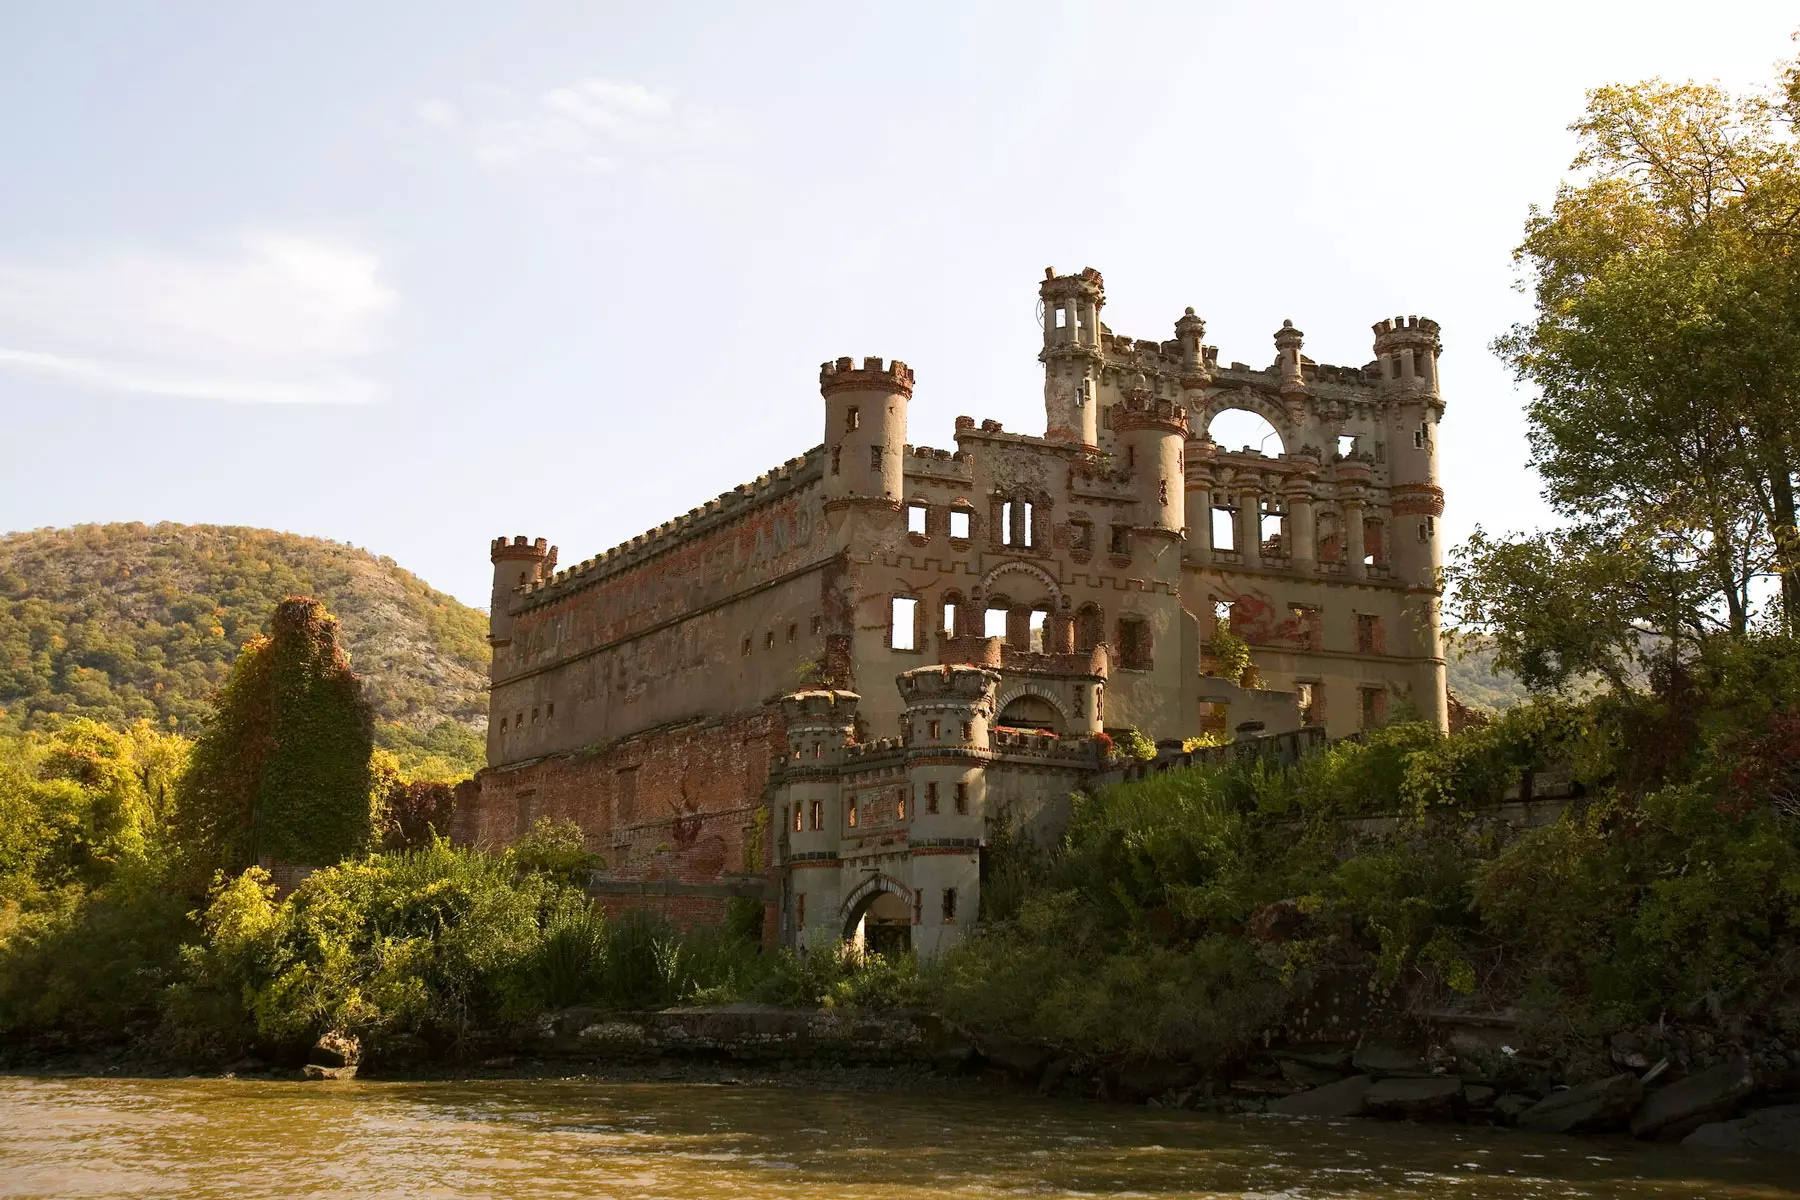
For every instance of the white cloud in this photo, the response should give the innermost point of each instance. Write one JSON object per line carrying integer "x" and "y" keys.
{"x": 593, "y": 125}
{"x": 274, "y": 318}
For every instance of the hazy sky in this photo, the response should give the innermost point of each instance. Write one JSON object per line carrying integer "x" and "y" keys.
{"x": 415, "y": 275}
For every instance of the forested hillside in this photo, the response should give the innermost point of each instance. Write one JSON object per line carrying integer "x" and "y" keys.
{"x": 142, "y": 622}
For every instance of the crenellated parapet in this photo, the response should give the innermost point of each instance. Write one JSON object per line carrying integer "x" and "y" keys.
{"x": 520, "y": 548}
{"x": 1144, "y": 410}
{"x": 844, "y": 375}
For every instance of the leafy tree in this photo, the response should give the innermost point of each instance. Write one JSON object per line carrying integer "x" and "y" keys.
{"x": 283, "y": 771}
{"x": 1666, "y": 354}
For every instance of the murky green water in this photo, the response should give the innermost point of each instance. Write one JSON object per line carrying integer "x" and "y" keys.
{"x": 541, "y": 1140}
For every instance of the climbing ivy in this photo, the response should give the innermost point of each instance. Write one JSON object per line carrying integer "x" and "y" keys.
{"x": 282, "y": 771}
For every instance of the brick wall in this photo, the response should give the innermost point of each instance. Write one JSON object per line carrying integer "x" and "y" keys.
{"x": 672, "y": 805}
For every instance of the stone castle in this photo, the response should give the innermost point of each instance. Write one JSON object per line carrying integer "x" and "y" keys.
{"x": 824, "y": 690}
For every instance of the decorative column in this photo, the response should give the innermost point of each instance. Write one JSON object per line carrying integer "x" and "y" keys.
{"x": 1353, "y": 536}
{"x": 1198, "y": 510}
{"x": 1303, "y": 531}
{"x": 1250, "y": 525}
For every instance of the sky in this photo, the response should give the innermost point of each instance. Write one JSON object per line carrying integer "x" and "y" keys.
{"x": 412, "y": 276}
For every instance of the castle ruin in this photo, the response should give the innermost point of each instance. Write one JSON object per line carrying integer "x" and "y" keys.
{"x": 823, "y": 690}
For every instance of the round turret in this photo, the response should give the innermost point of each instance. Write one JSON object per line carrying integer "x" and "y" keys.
{"x": 1150, "y": 432}
{"x": 865, "y": 431}
{"x": 517, "y": 563}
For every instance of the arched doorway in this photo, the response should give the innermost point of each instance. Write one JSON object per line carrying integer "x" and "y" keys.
{"x": 1031, "y": 712}
{"x": 880, "y": 923}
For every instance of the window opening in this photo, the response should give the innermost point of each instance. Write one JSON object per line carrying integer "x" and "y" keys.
{"x": 901, "y": 628}
{"x": 949, "y": 625}
{"x": 932, "y": 728}
{"x": 1224, "y": 529}
{"x": 966, "y": 733}
{"x": 1121, "y": 539}
{"x": 1134, "y": 643}
{"x": 836, "y": 455}
{"x": 949, "y": 906}
{"x": 1369, "y": 634}
{"x": 797, "y": 818}
{"x": 818, "y": 814}
{"x": 874, "y": 458}
{"x": 931, "y": 801}
{"x": 746, "y": 647}
{"x": 852, "y": 418}
{"x": 769, "y": 640}
{"x": 994, "y": 624}
{"x": 549, "y": 710}
{"x": 817, "y": 622}
{"x": 1346, "y": 445}
{"x": 850, "y": 812}
{"x": 959, "y": 523}
{"x": 915, "y": 518}
{"x": 502, "y": 724}
{"x": 800, "y": 909}
{"x": 1025, "y": 524}
{"x": 1081, "y": 535}
{"x": 793, "y": 630}
{"x": 1270, "y": 528}
{"x": 1038, "y": 617}
{"x": 962, "y": 798}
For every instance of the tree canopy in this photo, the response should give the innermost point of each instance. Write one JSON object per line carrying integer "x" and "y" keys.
{"x": 1665, "y": 352}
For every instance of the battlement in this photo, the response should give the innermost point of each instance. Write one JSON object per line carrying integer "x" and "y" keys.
{"x": 827, "y": 709}
{"x": 1142, "y": 410}
{"x": 845, "y": 376}
{"x": 520, "y": 548}
{"x": 879, "y": 748}
{"x": 950, "y": 684}
{"x": 740, "y": 501}
{"x": 1406, "y": 331}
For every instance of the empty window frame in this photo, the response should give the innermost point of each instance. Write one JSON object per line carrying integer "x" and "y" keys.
{"x": 1224, "y": 529}
{"x": 818, "y": 814}
{"x": 959, "y": 523}
{"x": 915, "y": 519}
{"x": 1134, "y": 643}
{"x": 1038, "y": 619}
{"x": 949, "y": 906}
{"x": 1120, "y": 540}
{"x": 1370, "y": 637}
{"x": 931, "y": 798}
{"x": 962, "y": 798}
{"x": 903, "y": 620}
{"x": 852, "y": 419}
{"x": 1015, "y": 523}
{"x": 1090, "y": 627}
{"x": 1081, "y": 536}
{"x": 874, "y": 458}
{"x": 1346, "y": 445}
{"x": 994, "y": 621}
{"x": 1374, "y": 706}
{"x": 797, "y": 818}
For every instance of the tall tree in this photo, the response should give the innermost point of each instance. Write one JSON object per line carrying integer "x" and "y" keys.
{"x": 281, "y": 773}
{"x": 1665, "y": 351}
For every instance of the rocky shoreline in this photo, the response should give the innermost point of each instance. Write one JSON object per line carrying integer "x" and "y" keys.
{"x": 1662, "y": 1084}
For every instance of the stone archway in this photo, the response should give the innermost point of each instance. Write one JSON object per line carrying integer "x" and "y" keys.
{"x": 1247, "y": 400}
{"x": 1032, "y": 706}
{"x": 878, "y": 915}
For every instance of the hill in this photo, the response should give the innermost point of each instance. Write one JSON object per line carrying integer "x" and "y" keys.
{"x": 1474, "y": 681}
{"x": 128, "y": 622}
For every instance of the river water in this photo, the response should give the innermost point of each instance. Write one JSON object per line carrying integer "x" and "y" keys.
{"x": 548, "y": 1139}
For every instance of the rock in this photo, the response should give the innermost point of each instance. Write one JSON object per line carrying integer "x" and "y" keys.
{"x": 1686, "y": 1104}
{"x": 1141, "y": 1080}
{"x": 1325, "y": 1055}
{"x": 336, "y": 1049}
{"x": 1598, "y": 1105}
{"x": 1512, "y": 1105}
{"x": 314, "y": 1071}
{"x": 1771, "y": 1129}
{"x": 1627, "y": 1050}
{"x": 1479, "y": 1095}
{"x": 1415, "y": 1099}
{"x": 1345, "y": 1098}
{"x": 1019, "y": 1059}
{"x": 1382, "y": 1059}
{"x": 1306, "y": 1075}
{"x": 1655, "y": 1073}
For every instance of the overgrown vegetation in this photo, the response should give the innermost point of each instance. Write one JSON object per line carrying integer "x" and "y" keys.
{"x": 1182, "y": 914}
{"x": 130, "y": 622}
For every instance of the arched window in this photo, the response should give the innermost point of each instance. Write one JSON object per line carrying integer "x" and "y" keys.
{"x": 1238, "y": 430}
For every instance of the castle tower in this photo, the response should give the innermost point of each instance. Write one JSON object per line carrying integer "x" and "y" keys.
{"x": 948, "y": 713}
{"x": 865, "y": 431}
{"x": 1407, "y": 351}
{"x": 517, "y": 564}
{"x": 1151, "y": 433}
{"x": 1072, "y": 355}
{"x": 810, "y": 805}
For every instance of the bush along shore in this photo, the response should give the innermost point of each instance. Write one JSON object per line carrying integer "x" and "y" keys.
{"x": 1375, "y": 930}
